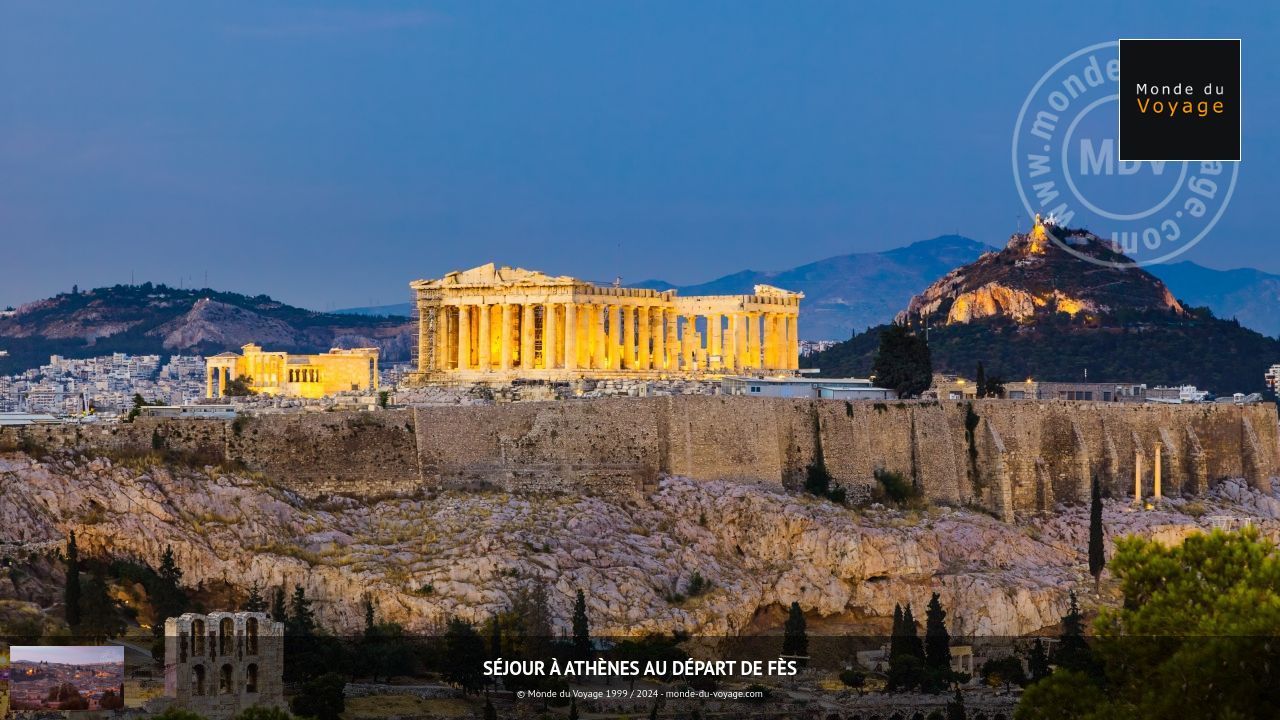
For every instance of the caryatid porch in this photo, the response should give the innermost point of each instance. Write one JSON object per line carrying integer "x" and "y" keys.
{"x": 501, "y": 324}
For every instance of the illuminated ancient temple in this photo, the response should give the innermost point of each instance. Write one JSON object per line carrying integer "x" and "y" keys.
{"x": 273, "y": 372}
{"x": 501, "y": 324}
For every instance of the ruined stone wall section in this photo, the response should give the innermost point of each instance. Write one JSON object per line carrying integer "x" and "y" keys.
{"x": 1030, "y": 455}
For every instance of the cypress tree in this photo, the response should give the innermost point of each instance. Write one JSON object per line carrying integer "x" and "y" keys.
{"x": 71, "y": 595}
{"x": 490, "y": 713}
{"x": 937, "y": 645}
{"x": 911, "y": 634}
{"x": 255, "y": 602}
{"x": 581, "y": 628}
{"x": 495, "y": 638}
{"x": 278, "y": 612}
{"x": 955, "y": 708}
{"x": 302, "y": 620}
{"x": 1038, "y": 662}
{"x": 368, "y": 616}
{"x": 981, "y": 381}
{"x": 895, "y": 639}
{"x": 1097, "y": 554}
{"x": 795, "y": 641}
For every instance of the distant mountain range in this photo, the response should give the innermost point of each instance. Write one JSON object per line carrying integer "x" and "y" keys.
{"x": 849, "y": 293}
{"x": 155, "y": 319}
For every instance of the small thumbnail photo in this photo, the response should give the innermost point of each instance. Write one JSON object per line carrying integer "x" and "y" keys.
{"x": 66, "y": 678}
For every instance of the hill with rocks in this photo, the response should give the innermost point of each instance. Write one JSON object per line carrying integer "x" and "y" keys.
{"x": 1036, "y": 309}
{"x": 156, "y": 319}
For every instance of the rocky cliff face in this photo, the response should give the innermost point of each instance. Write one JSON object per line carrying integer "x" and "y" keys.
{"x": 1035, "y": 276}
{"x": 464, "y": 554}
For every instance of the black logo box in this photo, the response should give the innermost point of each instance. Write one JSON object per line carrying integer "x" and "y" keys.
{"x": 1184, "y": 64}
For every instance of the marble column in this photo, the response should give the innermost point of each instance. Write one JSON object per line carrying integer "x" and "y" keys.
{"x": 792, "y": 341}
{"x": 628, "y": 337}
{"x": 729, "y": 347}
{"x": 528, "y": 323}
{"x": 642, "y": 343}
{"x": 570, "y": 336}
{"x": 689, "y": 343}
{"x": 549, "y": 340}
{"x": 715, "y": 344}
{"x": 464, "y": 337}
{"x": 599, "y": 341}
{"x": 658, "y": 329}
{"x": 753, "y": 340}
{"x": 444, "y": 338}
{"x": 424, "y": 320}
{"x": 208, "y": 381}
{"x": 505, "y": 338}
{"x": 485, "y": 339}
{"x": 769, "y": 340}
{"x": 673, "y": 340}
{"x": 614, "y": 359}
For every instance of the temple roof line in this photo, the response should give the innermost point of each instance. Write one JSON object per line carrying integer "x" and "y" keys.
{"x": 490, "y": 275}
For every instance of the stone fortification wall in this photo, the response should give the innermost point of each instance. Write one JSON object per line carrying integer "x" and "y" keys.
{"x": 1008, "y": 456}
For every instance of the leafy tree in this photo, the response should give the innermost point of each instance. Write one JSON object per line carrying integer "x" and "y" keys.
{"x": 173, "y": 712}
{"x": 903, "y": 362}
{"x": 321, "y": 698}
{"x": 258, "y": 712}
{"x": 582, "y": 647}
{"x": 1194, "y": 637}
{"x": 239, "y": 386}
{"x": 255, "y": 602}
{"x": 466, "y": 654}
{"x": 795, "y": 640}
{"x": 71, "y": 592}
{"x": 1004, "y": 671}
{"x": 937, "y": 646}
{"x": 1097, "y": 552}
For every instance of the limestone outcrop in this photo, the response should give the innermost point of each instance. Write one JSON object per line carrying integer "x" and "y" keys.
{"x": 428, "y": 556}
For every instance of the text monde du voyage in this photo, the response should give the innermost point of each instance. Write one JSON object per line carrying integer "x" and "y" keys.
{"x": 1179, "y": 99}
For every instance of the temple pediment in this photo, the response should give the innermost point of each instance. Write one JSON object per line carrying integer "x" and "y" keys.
{"x": 490, "y": 275}
{"x": 771, "y": 291}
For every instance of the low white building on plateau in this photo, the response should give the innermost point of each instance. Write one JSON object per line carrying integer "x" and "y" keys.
{"x": 207, "y": 412}
{"x": 1273, "y": 378}
{"x": 790, "y": 387}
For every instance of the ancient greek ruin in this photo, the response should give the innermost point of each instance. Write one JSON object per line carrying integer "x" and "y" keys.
{"x": 219, "y": 664}
{"x": 499, "y": 324}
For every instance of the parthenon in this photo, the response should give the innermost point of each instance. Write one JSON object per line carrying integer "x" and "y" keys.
{"x": 497, "y": 324}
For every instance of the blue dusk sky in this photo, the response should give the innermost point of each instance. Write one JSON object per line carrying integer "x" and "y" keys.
{"x": 328, "y": 153}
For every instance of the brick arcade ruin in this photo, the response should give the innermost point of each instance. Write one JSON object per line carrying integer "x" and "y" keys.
{"x": 498, "y": 324}
{"x": 219, "y": 664}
